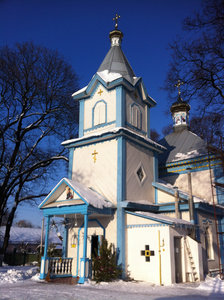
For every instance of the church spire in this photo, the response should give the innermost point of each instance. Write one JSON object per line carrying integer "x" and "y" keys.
{"x": 180, "y": 111}
{"x": 115, "y": 61}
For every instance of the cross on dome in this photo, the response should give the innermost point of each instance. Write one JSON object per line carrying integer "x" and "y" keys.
{"x": 178, "y": 85}
{"x": 116, "y": 20}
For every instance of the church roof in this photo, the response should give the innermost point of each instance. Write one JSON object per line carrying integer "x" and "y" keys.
{"x": 116, "y": 63}
{"x": 182, "y": 145}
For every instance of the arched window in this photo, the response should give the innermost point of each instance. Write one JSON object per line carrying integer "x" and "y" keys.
{"x": 99, "y": 113}
{"x": 136, "y": 116}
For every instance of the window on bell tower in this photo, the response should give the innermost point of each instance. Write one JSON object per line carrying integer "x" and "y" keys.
{"x": 136, "y": 118}
{"x": 99, "y": 113}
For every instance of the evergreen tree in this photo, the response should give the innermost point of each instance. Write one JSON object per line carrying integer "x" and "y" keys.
{"x": 105, "y": 264}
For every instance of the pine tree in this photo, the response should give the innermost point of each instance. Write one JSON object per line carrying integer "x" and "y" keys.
{"x": 105, "y": 264}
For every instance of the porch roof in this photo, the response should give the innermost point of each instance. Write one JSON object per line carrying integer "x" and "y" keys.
{"x": 82, "y": 195}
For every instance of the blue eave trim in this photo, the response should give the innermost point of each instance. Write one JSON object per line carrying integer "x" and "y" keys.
{"x": 196, "y": 164}
{"x": 62, "y": 210}
{"x": 111, "y": 135}
{"x": 81, "y": 118}
{"x": 169, "y": 190}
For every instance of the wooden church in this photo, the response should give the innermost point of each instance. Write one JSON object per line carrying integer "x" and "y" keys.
{"x": 155, "y": 202}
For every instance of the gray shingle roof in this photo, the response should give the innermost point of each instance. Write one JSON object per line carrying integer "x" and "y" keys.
{"x": 182, "y": 145}
{"x": 116, "y": 62}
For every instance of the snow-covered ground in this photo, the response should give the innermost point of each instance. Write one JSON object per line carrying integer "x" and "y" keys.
{"x": 23, "y": 283}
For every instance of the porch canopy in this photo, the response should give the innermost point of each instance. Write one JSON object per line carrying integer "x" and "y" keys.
{"x": 68, "y": 198}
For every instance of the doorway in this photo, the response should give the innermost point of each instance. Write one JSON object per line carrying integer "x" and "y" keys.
{"x": 94, "y": 246}
{"x": 178, "y": 259}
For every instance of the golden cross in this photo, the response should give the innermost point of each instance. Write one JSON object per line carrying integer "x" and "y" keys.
{"x": 100, "y": 92}
{"x": 179, "y": 83}
{"x": 116, "y": 20}
{"x": 94, "y": 155}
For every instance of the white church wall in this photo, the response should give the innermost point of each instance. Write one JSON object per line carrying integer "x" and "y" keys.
{"x": 139, "y": 157}
{"x": 101, "y": 175}
{"x": 108, "y": 98}
{"x": 142, "y": 232}
{"x": 201, "y": 183}
{"x": 164, "y": 197}
{"x": 132, "y": 98}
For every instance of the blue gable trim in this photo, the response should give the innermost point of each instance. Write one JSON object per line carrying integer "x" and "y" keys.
{"x": 81, "y": 118}
{"x": 196, "y": 164}
{"x": 56, "y": 187}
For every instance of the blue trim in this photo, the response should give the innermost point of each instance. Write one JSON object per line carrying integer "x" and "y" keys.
{"x": 137, "y": 129}
{"x": 121, "y": 196}
{"x": 120, "y": 106}
{"x": 104, "y": 136}
{"x": 69, "y": 209}
{"x": 84, "y": 258}
{"x": 93, "y": 112}
{"x": 169, "y": 190}
{"x": 78, "y": 242}
{"x": 148, "y": 121}
{"x": 55, "y": 189}
{"x": 132, "y": 115}
{"x": 155, "y": 175}
{"x": 180, "y": 167}
{"x": 196, "y": 222}
{"x": 99, "y": 126}
{"x": 81, "y": 117}
{"x": 65, "y": 240}
{"x": 219, "y": 178}
{"x": 43, "y": 261}
{"x": 70, "y": 163}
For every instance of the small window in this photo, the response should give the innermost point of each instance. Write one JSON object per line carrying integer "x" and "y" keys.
{"x": 99, "y": 113}
{"x": 136, "y": 119}
{"x": 140, "y": 174}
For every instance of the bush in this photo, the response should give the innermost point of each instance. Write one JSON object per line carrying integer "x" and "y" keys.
{"x": 105, "y": 266}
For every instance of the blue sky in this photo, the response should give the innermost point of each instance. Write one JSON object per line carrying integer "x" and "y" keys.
{"x": 79, "y": 30}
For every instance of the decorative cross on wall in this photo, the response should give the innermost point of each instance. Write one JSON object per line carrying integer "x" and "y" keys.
{"x": 94, "y": 155}
{"x": 147, "y": 253}
{"x": 100, "y": 92}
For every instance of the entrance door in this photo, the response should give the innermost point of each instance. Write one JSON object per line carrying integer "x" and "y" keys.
{"x": 178, "y": 260}
{"x": 94, "y": 246}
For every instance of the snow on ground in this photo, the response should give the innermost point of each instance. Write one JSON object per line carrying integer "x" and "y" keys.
{"x": 22, "y": 283}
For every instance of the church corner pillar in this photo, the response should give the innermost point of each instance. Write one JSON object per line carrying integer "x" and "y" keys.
{"x": 84, "y": 262}
{"x": 65, "y": 240}
{"x": 81, "y": 118}
{"x": 44, "y": 258}
{"x": 120, "y": 106}
{"x": 121, "y": 196}
{"x": 70, "y": 163}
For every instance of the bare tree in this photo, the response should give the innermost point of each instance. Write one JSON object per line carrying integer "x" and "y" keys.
{"x": 36, "y": 113}
{"x": 198, "y": 59}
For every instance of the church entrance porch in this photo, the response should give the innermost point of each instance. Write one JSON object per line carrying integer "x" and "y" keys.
{"x": 81, "y": 210}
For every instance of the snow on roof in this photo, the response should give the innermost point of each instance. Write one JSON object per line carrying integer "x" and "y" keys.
{"x": 189, "y": 154}
{"x": 109, "y": 76}
{"x": 80, "y": 91}
{"x": 113, "y": 130}
{"x": 161, "y": 217}
{"x": 20, "y": 235}
{"x": 90, "y": 195}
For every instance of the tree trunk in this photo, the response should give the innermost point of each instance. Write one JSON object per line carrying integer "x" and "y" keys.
{"x": 8, "y": 228}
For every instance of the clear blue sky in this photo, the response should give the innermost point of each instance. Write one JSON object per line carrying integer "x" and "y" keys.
{"x": 79, "y": 30}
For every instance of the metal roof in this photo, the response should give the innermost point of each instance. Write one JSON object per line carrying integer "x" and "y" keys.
{"x": 116, "y": 62}
{"x": 181, "y": 145}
